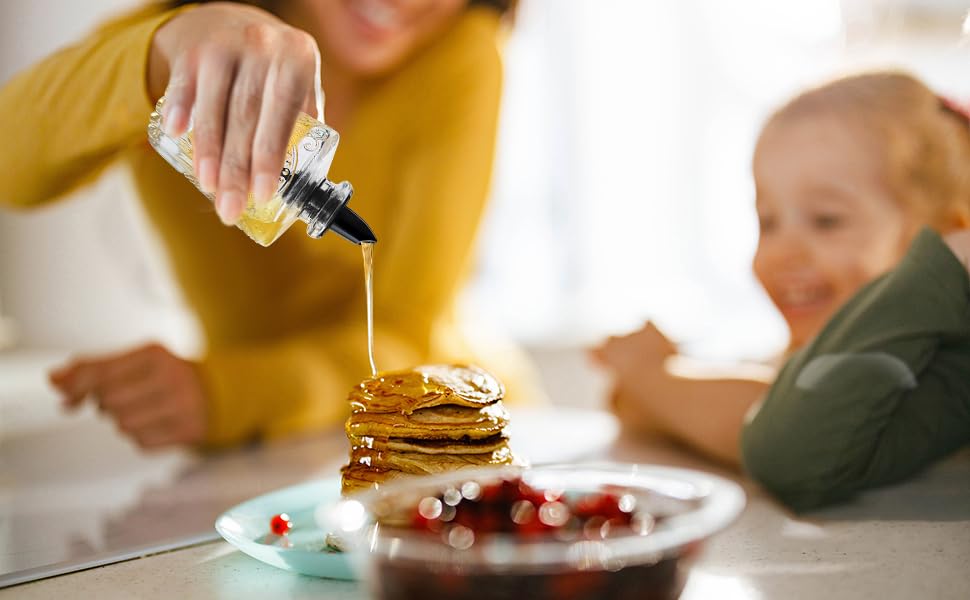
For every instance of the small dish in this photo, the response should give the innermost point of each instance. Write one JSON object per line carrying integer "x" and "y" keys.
{"x": 427, "y": 538}
{"x": 302, "y": 550}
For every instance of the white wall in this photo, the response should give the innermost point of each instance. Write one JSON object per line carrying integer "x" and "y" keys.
{"x": 624, "y": 112}
{"x": 85, "y": 273}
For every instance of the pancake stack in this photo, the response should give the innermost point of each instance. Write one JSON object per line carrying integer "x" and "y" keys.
{"x": 422, "y": 421}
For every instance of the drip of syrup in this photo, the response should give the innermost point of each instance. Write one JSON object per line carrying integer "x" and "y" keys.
{"x": 367, "y": 248}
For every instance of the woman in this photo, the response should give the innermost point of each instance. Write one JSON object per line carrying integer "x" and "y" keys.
{"x": 412, "y": 86}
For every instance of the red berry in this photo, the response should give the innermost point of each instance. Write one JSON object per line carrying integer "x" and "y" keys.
{"x": 280, "y": 524}
{"x": 599, "y": 505}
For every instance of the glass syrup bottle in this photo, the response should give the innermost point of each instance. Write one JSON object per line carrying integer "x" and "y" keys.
{"x": 304, "y": 192}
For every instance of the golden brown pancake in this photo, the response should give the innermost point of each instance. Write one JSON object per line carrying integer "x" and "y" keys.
{"x": 406, "y": 391}
{"x": 357, "y": 478}
{"x": 416, "y": 463}
{"x": 462, "y": 446}
{"x": 431, "y": 419}
{"x": 439, "y": 422}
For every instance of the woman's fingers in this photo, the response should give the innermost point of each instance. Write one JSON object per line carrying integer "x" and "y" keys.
{"x": 245, "y": 104}
{"x": 160, "y": 423}
{"x": 148, "y": 414}
{"x": 279, "y": 113}
{"x": 180, "y": 95}
{"x": 240, "y": 76}
{"x": 217, "y": 70}
{"x": 154, "y": 396}
{"x": 94, "y": 376}
{"x": 159, "y": 436}
{"x": 315, "y": 97}
{"x": 287, "y": 80}
{"x": 126, "y": 397}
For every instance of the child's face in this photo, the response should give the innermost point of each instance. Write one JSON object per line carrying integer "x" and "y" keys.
{"x": 828, "y": 221}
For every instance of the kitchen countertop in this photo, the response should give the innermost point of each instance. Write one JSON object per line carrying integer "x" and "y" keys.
{"x": 908, "y": 541}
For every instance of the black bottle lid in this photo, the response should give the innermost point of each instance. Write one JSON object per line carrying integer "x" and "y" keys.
{"x": 327, "y": 209}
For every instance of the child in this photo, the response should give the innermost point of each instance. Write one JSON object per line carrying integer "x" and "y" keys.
{"x": 846, "y": 176}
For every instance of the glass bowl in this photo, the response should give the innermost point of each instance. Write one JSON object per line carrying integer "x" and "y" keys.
{"x": 414, "y": 538}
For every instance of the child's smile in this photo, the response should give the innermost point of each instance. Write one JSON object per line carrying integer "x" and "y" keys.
{"x": 828, "y": 222}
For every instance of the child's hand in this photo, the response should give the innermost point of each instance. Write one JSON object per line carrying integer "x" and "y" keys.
{"x": 630, "y": 354}
{"x": 154, "y": 396}
{"x": 636, "y": 362}
{"x": 959, "y": 243}
{"x": 633, "y": 410}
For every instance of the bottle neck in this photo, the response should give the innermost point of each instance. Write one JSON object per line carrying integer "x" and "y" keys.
{"x": 322, "y": 206}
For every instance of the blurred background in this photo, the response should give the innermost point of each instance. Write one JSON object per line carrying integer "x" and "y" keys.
{"x": 622, "y": 190}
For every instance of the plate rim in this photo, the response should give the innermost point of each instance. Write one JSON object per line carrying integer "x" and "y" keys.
{"x": 254, "y": 549}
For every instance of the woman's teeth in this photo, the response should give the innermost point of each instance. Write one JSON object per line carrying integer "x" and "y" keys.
{"x": 379, "y": 13}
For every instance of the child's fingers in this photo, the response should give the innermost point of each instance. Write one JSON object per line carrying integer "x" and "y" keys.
{"x": 595, "y": 354}
{"x": 611, "y": 353}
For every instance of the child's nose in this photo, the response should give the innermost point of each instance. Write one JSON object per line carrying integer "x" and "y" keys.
{"x": 793, "y": 248}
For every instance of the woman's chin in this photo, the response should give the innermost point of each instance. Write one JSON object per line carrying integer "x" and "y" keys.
{"x": 370, "y": 64}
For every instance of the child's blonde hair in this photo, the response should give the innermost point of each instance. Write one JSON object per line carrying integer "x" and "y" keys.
{"x": 926, "y": 140}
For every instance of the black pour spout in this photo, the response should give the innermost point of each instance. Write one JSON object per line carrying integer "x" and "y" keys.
{"x": 326, "y": 209}
{"x": 348, "y": 225}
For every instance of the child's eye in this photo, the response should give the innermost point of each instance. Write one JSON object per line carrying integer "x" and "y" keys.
{"x": 826, "y": 222}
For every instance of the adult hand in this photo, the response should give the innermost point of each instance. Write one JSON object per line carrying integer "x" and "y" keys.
{"x": 154, "y": 396}
{"x": 242, "y": 75}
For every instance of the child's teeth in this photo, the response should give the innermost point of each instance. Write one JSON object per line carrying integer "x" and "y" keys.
{"x": 800, "y": 295}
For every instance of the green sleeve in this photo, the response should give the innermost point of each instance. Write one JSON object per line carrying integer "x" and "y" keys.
{"x": 880, "y": 393}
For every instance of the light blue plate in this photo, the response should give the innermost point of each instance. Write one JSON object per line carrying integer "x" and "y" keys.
{"x": 246, "y": 526}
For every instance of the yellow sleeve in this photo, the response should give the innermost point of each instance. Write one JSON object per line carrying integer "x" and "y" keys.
{"x": 67, "y": 117}
{"x": 299, "y": 383}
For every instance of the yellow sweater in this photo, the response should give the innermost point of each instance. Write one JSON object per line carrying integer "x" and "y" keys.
{"x": 285, "y": 325}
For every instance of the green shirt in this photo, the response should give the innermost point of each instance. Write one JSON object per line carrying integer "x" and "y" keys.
{"x": 883, "y": 390}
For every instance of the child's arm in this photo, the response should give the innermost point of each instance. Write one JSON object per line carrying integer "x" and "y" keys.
{"x": 881, "y": 392}
{"x": 704, "y": 414}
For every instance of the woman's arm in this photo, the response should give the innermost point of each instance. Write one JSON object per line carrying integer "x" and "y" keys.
{"x": 241, "y": 74}
{"x": 299, "y": 382}
{"x": 67, "y": 117}
{"x": 881, "y": 392}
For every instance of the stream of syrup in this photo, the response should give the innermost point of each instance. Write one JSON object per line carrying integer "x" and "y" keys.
{"x": 367, "y": 248}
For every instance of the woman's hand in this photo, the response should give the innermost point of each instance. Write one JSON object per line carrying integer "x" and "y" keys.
{"x": 242, "y": 75}
{"x": 154, "y": 396}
